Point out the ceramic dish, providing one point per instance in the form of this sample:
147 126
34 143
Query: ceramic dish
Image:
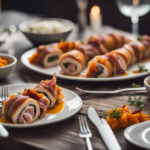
45 38
72 105
139 134
6 70
52 70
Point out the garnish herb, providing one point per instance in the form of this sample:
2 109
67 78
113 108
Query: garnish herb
118 88
52 58
116 114
136 101
18 92
142 68
66 65
62 40
31 28
135 85
98 73
139 38
25 89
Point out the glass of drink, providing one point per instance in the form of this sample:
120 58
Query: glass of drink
134 9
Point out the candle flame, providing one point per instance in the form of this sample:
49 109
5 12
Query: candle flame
135 2
95 10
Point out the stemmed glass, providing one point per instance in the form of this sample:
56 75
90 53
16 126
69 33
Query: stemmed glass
134 9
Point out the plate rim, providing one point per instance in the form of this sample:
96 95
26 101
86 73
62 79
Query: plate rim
48 122
121 78
131 140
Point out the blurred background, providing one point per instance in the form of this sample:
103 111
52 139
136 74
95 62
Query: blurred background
68 9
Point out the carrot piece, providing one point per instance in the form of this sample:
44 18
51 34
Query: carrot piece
101 60
126 109
133 118
11 96
144 117
113 122
33 58
123 121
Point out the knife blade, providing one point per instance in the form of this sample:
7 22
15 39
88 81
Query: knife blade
104 130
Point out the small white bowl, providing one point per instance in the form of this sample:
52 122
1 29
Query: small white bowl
38 38
146 84
6 70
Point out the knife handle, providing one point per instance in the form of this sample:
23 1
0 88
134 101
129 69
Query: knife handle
108 137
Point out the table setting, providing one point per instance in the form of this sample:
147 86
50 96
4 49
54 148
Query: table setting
66 85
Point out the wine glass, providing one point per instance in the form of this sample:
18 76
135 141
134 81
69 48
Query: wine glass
134 9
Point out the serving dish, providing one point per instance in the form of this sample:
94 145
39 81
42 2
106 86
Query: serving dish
45 38
6 70
52 70
139 134
72 105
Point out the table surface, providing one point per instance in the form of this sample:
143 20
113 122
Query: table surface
65 135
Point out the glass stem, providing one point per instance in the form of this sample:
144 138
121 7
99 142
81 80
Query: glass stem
135 26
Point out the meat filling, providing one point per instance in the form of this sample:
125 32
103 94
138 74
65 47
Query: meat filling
26 116
70 66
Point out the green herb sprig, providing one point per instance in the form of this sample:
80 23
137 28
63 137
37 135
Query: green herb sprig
135 85
142 68
139 38
98 73
136 101
116 114
18 92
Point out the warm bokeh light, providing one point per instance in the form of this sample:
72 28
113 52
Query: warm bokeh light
95 10
135 2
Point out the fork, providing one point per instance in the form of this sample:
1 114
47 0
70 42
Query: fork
85 132
4 94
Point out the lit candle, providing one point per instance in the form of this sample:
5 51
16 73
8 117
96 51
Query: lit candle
95 19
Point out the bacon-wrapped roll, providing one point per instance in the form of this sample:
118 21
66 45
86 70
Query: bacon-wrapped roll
91 49
139 49
72 62
110 41
42 100
46 55
49 89
21 109
120 58
99 67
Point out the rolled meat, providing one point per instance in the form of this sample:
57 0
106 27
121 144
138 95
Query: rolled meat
72 62
21 109
49 89
110 41
47 56
99 67
121 59
139 49
42 100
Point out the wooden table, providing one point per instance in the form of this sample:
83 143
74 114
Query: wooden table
64 135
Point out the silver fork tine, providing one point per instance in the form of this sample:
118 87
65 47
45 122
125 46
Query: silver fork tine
3 93
7 91
81 130
87 127
83 126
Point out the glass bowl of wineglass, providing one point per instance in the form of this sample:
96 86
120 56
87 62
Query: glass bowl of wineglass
134 9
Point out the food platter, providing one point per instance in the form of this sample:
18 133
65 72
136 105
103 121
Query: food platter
56 69
72 105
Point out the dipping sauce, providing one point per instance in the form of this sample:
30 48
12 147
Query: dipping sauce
4 120
73 75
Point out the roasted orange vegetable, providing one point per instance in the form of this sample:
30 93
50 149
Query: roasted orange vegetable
133 118
113 122
3 62
126 109
123 121
33 58
144 117
66 46
11 96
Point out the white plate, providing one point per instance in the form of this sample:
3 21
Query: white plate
139 134
72 105
56 69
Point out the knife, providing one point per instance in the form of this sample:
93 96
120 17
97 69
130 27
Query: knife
104 130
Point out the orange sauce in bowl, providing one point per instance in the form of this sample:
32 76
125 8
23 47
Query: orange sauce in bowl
4 62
